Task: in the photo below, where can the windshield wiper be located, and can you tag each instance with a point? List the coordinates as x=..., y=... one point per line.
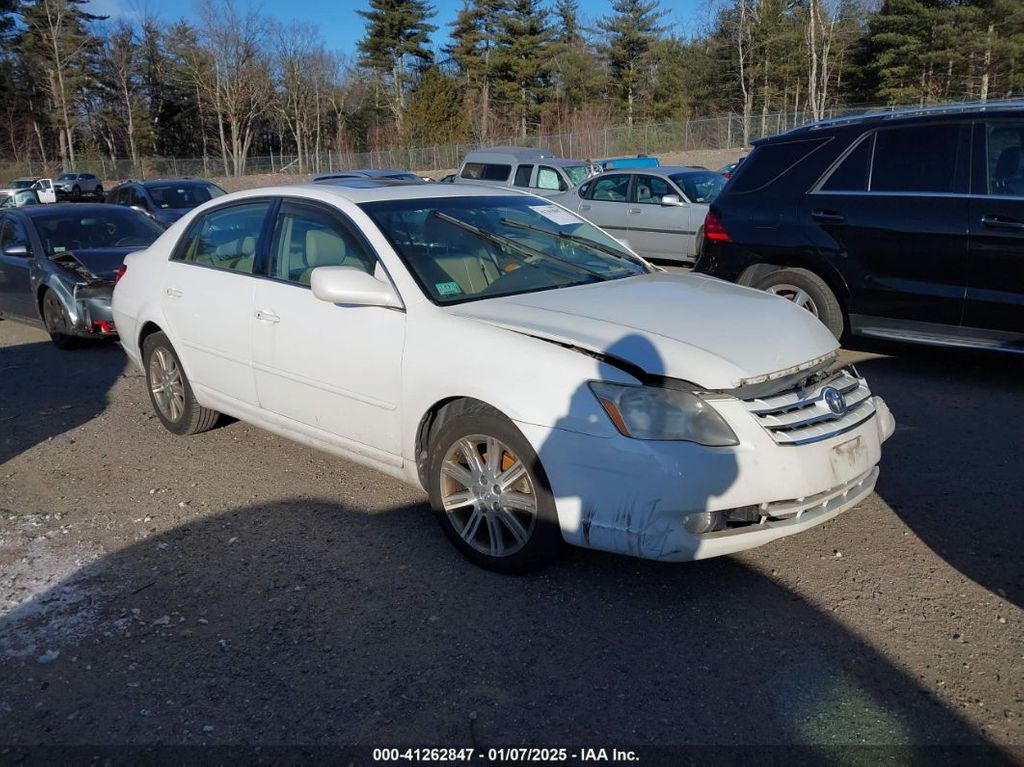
x=585, y=242
x=523, y=250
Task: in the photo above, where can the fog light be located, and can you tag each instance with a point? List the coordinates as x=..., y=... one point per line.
x=703, y=522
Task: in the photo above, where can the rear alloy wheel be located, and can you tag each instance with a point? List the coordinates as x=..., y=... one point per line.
x=808, y=291
x=489, y=493
x=170, y=391
x=57, y=322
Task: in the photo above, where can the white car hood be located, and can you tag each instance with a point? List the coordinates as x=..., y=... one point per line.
x=691, y=327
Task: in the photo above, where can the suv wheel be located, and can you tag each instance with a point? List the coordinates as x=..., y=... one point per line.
x=808, y=291
x=76, y=191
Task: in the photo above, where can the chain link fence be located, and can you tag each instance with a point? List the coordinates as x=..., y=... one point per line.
x=716, y=133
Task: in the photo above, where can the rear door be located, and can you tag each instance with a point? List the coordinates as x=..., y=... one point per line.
x=208, y=292
x=995, y=280
x=607, y=204
x=891, y=217
x=657, y=230
x=15, y=284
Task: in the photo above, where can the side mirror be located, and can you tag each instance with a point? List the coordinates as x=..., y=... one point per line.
x=18, y=249
x=672, y=201
x=352, y=287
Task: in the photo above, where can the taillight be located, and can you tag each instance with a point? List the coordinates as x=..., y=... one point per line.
x=714, y=229
x=119, y=273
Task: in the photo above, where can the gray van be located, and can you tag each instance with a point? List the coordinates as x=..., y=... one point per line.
x=535, y=169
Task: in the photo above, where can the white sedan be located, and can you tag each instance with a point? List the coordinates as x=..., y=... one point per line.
x=540, y=382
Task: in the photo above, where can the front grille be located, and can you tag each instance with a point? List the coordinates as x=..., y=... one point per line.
x=801, y=415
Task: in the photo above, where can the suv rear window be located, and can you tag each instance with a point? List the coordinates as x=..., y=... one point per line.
x=769, y=161
x=921, y=158
x=486, y=172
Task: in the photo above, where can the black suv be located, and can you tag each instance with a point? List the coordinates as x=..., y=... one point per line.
x=905, y=225
x=165, y=200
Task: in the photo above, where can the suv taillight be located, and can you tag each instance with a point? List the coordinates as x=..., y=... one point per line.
x=119, y=273
x=714, y=229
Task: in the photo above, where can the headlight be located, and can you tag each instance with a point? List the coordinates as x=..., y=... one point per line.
x=649, y=412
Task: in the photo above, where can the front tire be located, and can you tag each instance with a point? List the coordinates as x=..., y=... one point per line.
x=76, y=192
x=808, y=291
x=170, y=392
x=58, y=322
x=98, y=191
x=489, y=492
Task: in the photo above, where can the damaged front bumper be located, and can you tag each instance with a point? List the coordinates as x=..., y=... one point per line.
x=634, y=497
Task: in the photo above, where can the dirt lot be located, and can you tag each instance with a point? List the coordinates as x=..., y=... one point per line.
x=236, y=588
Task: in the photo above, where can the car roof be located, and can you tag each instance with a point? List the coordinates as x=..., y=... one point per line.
x=368, y=190
x=35, y=211
x=364, y=173
x=910, y=115
x=660, y=170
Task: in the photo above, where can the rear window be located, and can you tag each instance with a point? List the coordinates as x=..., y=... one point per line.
x=922, y=158
x=769, y=161
x=523, y=173
x=486, y=171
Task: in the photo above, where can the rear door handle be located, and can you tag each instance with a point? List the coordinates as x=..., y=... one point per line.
x=263, y=316
x=174, y=293
x=1001, y=222
x=827, y=216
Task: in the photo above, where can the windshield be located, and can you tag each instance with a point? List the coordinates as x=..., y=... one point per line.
x=577, y=173
x=113, y=228
x=66, y=177
x=467, y=248
x=700, y=187
x=185, y=196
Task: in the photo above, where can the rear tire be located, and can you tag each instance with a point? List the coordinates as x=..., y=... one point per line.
x=489, y=492
x=809, y=291
x=98, y=191
x=170, y=392
x=58, y=322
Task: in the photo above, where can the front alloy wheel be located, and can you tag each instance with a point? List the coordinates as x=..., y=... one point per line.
x=488, y=490
x=488, y=496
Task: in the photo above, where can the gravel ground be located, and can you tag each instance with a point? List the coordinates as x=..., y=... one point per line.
x=235, y=587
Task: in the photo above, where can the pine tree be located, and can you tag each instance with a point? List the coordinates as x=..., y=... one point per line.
x=474, y=38
x=435, y=113
x=524, y=62
x=631, y=31
x=395, y=47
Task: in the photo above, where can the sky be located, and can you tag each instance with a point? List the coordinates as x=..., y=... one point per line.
x=341, y=27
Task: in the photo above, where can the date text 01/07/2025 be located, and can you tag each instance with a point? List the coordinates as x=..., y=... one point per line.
x=503, y=754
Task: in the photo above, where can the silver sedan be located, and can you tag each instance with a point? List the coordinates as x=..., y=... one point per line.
x=658, y=212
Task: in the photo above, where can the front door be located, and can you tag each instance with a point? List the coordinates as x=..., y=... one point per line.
x=208, y=296
x=607, y=203
x=892, y=218
x=334, y=369
x=16, y=297
x=44, y=188
x=657, y=230
x=995, y=279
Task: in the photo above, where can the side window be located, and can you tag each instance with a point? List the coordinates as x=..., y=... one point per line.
x=769, y=161
x=585, y=189
x=226, y=238
x=852, y=173
x=123, y=195
x=486, y=172
x=12, y=232
x=610, y=189
x=523, y=173
x=1005, y=143
x=548, y=178
x=306, y=237
x=137, y=199
x=922, y=158
x=650, y=190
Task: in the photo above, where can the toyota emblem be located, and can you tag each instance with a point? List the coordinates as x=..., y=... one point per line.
x=834, y=400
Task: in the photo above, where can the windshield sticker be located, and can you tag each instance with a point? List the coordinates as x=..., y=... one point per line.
x=447, y=288
x=557, y=215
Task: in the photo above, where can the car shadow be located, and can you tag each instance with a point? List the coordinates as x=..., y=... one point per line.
x=954, y=462
x=308, y=622
x=47, y=392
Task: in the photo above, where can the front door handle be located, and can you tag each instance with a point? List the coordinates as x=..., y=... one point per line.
x=584, y=207
x=633, y=211
x=263, y=316
x=1002, y=222
x=174, y=293
x=827, y=216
